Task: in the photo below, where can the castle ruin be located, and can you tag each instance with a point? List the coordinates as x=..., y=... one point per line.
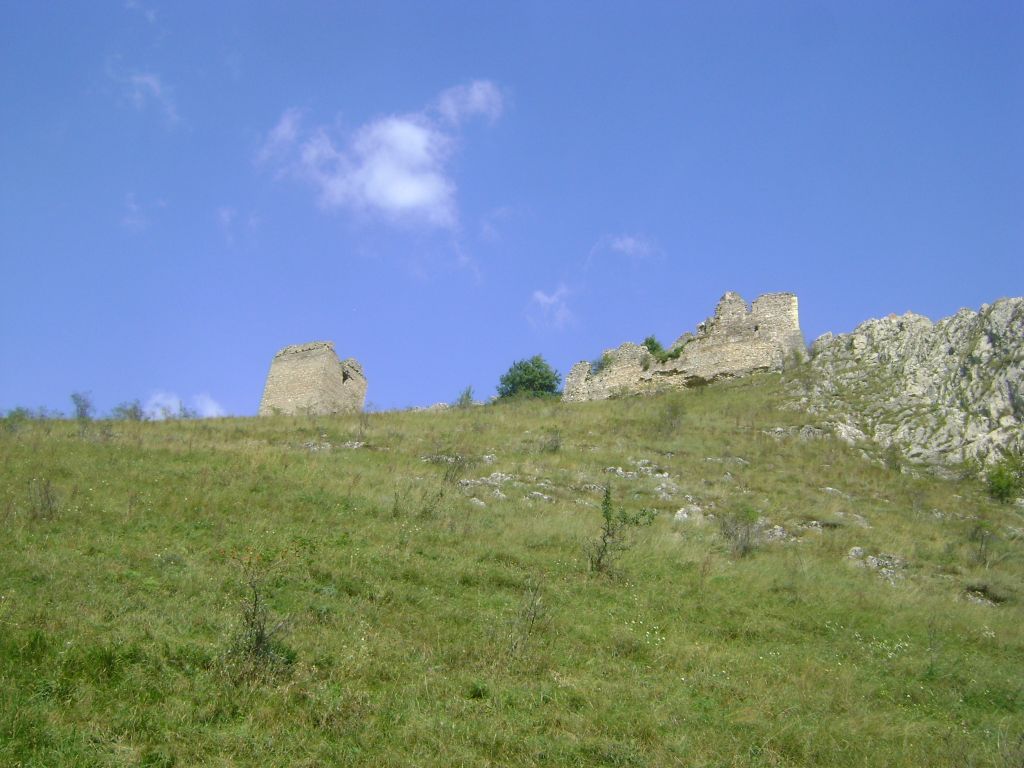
x=737, y=341
x=310, y=379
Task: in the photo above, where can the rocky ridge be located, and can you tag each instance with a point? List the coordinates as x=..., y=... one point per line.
x=940, y=392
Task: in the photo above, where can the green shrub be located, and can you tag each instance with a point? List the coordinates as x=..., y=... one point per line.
x=596, y=366
x=1006, y=479
x=613, y=537
x=529, y=378
x=128, y=411
x=739, y=528
x=658, y=352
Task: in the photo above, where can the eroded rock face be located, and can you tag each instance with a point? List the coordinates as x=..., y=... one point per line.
x=940, y=392
x=309, y=378
x=738, y=340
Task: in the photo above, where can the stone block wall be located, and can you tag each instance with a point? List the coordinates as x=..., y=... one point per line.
x=309, y=378
x=736, y=341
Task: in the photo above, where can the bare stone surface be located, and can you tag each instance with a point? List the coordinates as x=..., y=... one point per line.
x=939, y=392
x=309, y=378
x=738, y=340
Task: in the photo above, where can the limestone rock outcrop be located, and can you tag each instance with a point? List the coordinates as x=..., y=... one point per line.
x=310, y=379
x=939, y=392
x=738, y=340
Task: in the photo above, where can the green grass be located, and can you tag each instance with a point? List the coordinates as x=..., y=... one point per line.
x=423, y=629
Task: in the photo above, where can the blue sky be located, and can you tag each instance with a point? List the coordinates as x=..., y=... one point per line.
x=443, y=188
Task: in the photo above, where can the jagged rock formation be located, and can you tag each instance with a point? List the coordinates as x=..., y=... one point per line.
x=939, y=392
x=309, y=378
x=738, y=340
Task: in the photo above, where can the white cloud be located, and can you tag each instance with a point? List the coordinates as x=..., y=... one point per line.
x=633, y=247
x=281, y=137
x=480, y=97
x=550, y=309
x=144, y=88
x=207, y=407
x=163, y=405
x=395, y=166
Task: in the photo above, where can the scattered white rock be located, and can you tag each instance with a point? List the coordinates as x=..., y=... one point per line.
x=889, y=567
x=477, y=502
x=538, y=496
x=689, y=514
x=629, y=475
x=834, y=491
x=772, y=533
x=976, y=597
x=314, y=446
x=494, y=479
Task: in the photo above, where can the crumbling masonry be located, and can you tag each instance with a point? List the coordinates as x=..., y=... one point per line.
x=738, y=340
x=310, y=379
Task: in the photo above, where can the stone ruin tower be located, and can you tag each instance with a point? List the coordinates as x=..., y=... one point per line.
x=310, y=379
x=736, y=341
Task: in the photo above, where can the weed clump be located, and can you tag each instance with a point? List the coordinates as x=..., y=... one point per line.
x=739, y=529
x=256, y=649
x=613, y=537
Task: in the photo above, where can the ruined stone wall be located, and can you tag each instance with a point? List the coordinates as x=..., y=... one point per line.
x=736, y=341
x=309, y=378
x=621, y=374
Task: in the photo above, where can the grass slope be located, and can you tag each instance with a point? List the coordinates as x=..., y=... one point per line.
x=421, y=628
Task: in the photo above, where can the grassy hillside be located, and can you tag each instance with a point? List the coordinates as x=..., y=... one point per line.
x=332, y=591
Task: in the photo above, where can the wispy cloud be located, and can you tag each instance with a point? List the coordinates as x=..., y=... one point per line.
x=282, y=137
x=491, y=223
x=480, y=97
x=137, y=6
x=395, y=167
x=147, y=88
x=550, y=309
x=631, y=246
x=163, y=405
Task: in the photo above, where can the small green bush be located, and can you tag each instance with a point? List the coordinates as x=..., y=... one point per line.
x=739, y=528
x=529, y=378
x=1006, y=479
x=596, y=366
x=658, y=352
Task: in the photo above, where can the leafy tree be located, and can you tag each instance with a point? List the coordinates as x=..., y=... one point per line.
x=530, y=378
